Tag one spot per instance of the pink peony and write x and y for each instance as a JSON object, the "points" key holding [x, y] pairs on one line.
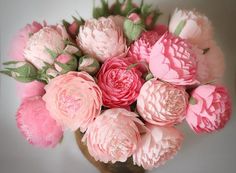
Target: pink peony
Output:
{"points": [[36, 124], [157, 146], [140, 50], [196, 28], [160, 29], [114, 135], [51, 38], [209, 108], [211, 65], [20, 40], [31, 89], [173, 60], [74, 100], [101, 39], [161, 103], [120, 86]]}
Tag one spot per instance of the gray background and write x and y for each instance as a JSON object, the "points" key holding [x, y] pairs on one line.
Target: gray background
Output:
{"points": [[213, 153]]}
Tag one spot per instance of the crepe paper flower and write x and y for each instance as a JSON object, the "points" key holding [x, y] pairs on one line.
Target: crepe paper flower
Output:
{"points": [[36, 124], [120, 85], [22, 71], [173, 60], [74, 100], [20, 40], [161, 103], [158, 145], [114, 136], [192, 26], [43, 46], [89, 65], [101, 39], [65, 63], [209, 108], [34, 88], [211, 65]]}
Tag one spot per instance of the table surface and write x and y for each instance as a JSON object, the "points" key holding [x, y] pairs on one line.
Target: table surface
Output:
{"points": [[214, 153]]}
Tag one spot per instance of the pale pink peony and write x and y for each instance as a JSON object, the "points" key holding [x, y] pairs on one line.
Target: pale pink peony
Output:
{"points": [[118, 20], [31, 89], [161, 103], [114, 135], [120, 85], [209, 108], [74, 100], [158, 145], [173, 60], [196, 28], [140, 50], [101, 39], [47, 38], [36, 124], [211, 65], [20, 40]]}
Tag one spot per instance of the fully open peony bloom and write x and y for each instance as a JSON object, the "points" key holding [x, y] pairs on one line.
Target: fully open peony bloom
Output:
{"points": [[74, 100], [120, 86], [173, 60], [211, 65], [158, 145], [36, 124], [193, 26], [161, 103], [209, 109], [20, 40], [101, 39], [114, 135], [51, 38], [31, 89]]}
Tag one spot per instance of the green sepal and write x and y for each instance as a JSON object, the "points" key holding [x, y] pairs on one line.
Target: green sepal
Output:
{"points": [[132, 31], [180, 27], [53, 54], [70, 66], [101, 11], [192, 101]]}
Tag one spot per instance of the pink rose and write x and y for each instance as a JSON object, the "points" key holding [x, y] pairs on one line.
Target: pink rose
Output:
{"points": [[101, 39], [114, 135], [211, 65], [74, 100], [48, 38], [158, 145], [120, 86], [173, 60], [20, 40], [209, 109], [161, 103], [36, 124], [192, 26], [31, 89]]}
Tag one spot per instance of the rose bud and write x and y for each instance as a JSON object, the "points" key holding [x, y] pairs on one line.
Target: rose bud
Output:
{"points": [[20, 70], [88, 64], [135, 18], [65, 63], [209, 109], [74, 28]]}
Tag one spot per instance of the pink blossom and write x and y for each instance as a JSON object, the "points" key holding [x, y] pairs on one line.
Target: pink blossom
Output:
{"points": [[161, 103], [120, 85], [36, 124], [114, 135], [74, 100], [173, 60], [134, 17], [209, 109], [158, 145]]}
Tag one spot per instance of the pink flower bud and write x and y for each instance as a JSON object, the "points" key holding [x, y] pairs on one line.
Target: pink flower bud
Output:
{"points": [[135, 18], [73, 28]]}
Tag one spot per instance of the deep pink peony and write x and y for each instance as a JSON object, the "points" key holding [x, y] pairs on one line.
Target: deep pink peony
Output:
{"points": [[173, 60], [36, 124], [20, 40], [161, 103], [209, 109], [158, 145], [114, 135], [31, 89], [120, 85], [74, 100]]}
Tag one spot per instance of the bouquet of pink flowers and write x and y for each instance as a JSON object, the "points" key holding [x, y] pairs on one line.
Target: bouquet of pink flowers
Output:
{"points": [[121, 81]]}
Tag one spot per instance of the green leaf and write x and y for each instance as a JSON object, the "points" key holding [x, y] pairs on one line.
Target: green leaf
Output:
{"points": [[132, 66], [101, 11], [192, 101], [10, 62], [132, 31], [53, 54], [180, 27], [149, 76]]}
